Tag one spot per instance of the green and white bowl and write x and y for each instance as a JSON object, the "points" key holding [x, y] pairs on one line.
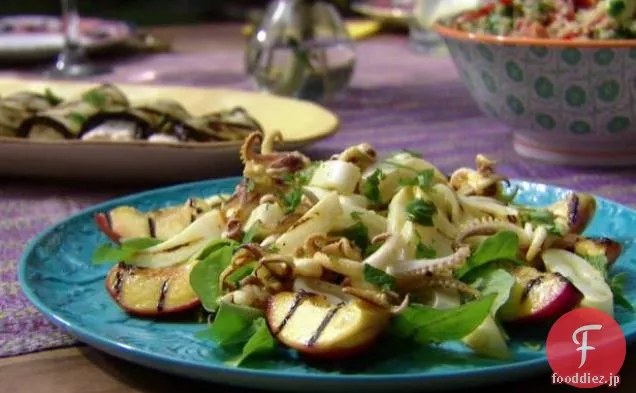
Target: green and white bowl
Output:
{"points": [[568, 102]]}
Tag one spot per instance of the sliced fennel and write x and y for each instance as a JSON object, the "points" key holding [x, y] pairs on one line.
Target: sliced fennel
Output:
{"points": [[318, 219], [587, 279], [184, 245], [336, 175], [265, 215]]}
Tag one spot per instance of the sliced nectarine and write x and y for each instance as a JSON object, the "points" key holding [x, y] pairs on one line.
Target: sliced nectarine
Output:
{"points": [[577, 210], [537, 296], [309, 323], [149, 291]]}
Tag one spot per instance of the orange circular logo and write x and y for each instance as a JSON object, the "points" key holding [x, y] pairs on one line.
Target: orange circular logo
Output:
{"points": [[586, 348]]}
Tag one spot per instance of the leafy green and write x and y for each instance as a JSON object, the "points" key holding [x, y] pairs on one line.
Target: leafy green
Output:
{"points": [[95, 98], [424, 252], [128, 248], [241, 273], [204, 277], [378, 278], [373, 247], [76, 117], [371, 187], [541, 216], [617, 284], [358, 233], [240, 326], [424, 180], [503, 246], [291, 200], [260, 342], [497, 282], [426, 324], [421, 212]]}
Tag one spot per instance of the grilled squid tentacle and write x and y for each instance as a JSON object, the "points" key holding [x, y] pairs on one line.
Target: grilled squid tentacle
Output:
{"points": [[431, 267], [486, 226]]}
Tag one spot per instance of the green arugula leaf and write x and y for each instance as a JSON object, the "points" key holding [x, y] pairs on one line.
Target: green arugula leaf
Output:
{"points": [[427, 324], [204, 277], [379, 278], [424, 252], [108, 253], [232, 325], [371, 187], [503, 246], [617, 284], [241, 273], [261, 342], [496, 282], [358, 233], [421, 212]]}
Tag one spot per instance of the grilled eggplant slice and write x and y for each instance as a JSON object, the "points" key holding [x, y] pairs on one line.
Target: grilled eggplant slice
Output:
{"points": [[66, 121], [17, 107], [228, 125], [139, 122], [126, 222], [152, 292]]}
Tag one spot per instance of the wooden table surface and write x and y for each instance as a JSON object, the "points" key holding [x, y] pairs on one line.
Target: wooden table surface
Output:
{"points": [[86, 370]]}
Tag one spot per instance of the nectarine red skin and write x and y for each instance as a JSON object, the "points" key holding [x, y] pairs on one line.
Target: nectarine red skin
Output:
{"points": [[102, 223]]}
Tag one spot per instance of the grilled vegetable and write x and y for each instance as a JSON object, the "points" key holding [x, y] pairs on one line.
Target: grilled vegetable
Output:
{"points": [[67, 120]]}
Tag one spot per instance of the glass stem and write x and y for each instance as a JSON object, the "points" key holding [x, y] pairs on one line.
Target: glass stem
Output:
{"points": [[72, 52]]}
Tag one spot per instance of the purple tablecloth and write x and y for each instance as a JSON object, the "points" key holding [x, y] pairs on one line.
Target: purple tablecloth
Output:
{"points": [[397, 99]]}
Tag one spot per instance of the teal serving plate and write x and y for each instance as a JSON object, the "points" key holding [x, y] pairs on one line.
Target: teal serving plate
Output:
{"points": [[58, 278]]}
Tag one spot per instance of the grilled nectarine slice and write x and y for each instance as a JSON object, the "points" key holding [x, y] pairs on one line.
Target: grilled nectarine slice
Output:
{"points": [[150, 291], [577, 210], [537, 296], [125, 222], [309, 323]]}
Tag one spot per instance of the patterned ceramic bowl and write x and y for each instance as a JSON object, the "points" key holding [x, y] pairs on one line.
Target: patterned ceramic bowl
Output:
{"points": [[569, 102]]}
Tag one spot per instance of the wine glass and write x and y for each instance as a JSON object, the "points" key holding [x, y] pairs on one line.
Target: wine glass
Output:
{"points": [[71, 63]]}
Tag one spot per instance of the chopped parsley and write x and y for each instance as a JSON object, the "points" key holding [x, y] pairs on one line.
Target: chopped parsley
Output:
{"points": [[371, 187], [424, 180], [421, 212], [378, 278]]}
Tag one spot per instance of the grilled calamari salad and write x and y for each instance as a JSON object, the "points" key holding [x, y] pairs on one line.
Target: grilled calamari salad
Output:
{"points": [[324, 257], [564, 19]]}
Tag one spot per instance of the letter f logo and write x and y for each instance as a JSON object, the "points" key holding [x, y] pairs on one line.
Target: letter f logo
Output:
{"points": [[584, 347]]}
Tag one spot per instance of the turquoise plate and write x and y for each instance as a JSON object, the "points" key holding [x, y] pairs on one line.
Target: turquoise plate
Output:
{"points": [[57, 276]]}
